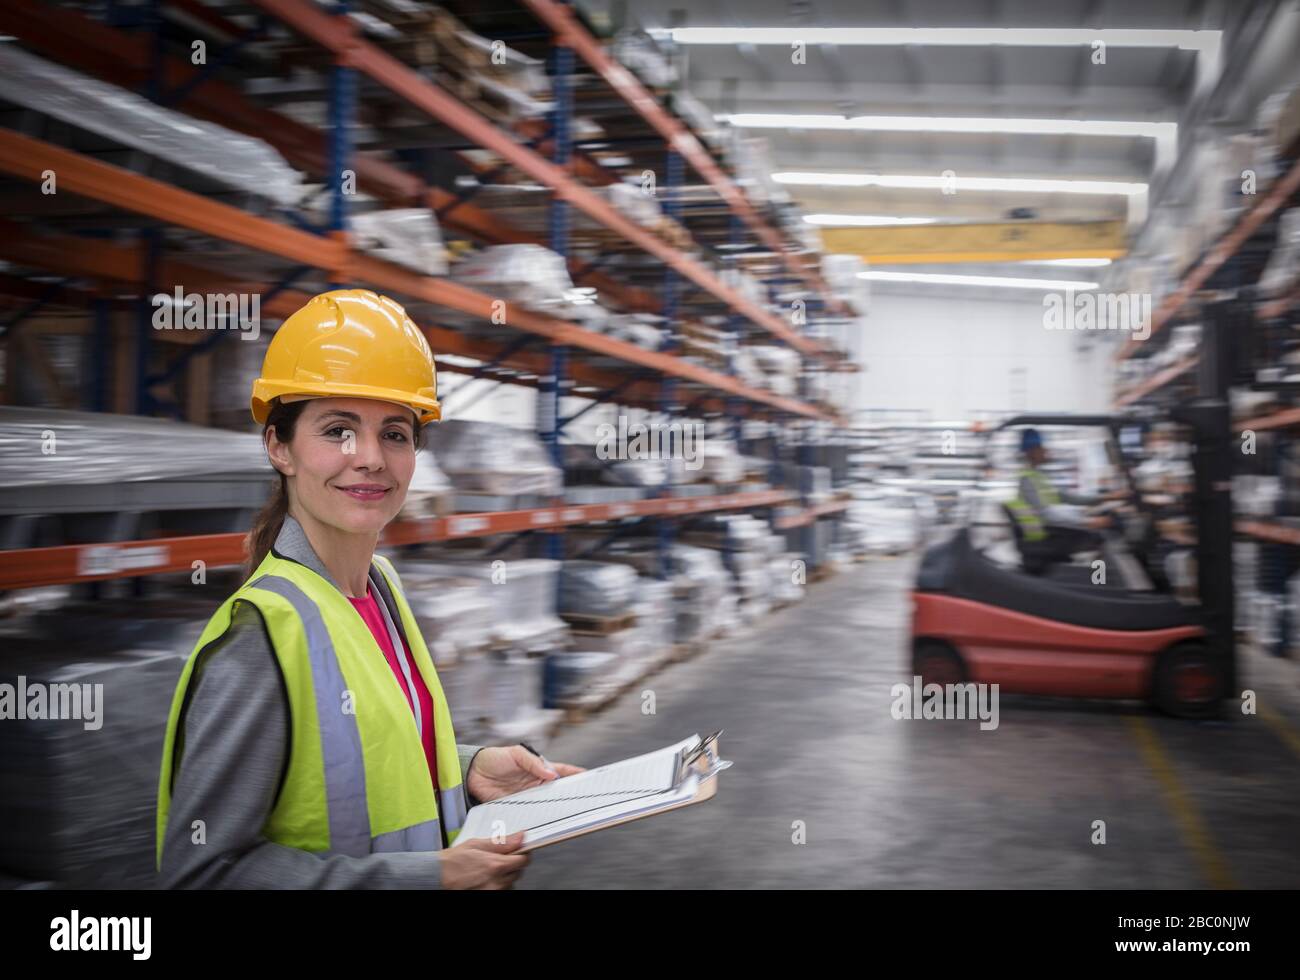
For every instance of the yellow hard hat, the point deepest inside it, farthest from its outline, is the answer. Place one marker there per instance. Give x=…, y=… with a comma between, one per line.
x=349, y=343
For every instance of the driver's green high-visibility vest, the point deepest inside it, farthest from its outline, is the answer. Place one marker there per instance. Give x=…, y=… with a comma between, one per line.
x=358, y=781
x=1030, y=522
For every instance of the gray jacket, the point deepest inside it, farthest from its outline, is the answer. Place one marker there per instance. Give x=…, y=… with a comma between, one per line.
x=231, y=754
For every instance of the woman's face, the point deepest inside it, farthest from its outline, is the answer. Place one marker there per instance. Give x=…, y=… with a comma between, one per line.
x=350, y=461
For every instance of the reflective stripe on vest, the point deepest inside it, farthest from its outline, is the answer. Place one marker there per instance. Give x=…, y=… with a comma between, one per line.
x=357, y=780
x=1030, y=522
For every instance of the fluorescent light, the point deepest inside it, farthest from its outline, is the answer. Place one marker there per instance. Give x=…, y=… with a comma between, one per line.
x=949, y=36
x=864, y=220
x=935, y=182
x=1075, y=263
x=1007, y=282
x=954, y=124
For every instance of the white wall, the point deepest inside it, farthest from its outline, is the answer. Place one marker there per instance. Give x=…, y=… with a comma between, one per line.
x=954, y=353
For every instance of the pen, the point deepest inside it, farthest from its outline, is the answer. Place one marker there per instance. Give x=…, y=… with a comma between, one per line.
x=539, y=755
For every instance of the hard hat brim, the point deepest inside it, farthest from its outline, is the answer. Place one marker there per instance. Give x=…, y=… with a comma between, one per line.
x=264, y=392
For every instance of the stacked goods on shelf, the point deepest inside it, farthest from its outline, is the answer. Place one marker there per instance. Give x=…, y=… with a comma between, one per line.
x=596, y=596
x=501, y=83
x=591, y=479
x=493, y=466
x=779, y=366
x=455, y=612
x=787, y=575
x=531, y=275
x=602, y=664
x=642, y=55
x=245, y=164
x=66, y=823
x=495, y=684
x=698, y=117
x=621, y=626
x=404, y=236
x=704, y=601
x=751, y=159
x=707, y=345
x=645, y=330
x=1279, y=276
x=430, y=493
x=841, y=275
x=84, y=476
x=639, y=203
x=748, y=548
x=234, y=368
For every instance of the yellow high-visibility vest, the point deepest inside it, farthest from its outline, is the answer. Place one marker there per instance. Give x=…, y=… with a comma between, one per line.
x=1030, y=523
x=358, y=781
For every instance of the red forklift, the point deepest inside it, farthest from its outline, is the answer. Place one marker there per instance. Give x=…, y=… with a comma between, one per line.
x=1055, y=630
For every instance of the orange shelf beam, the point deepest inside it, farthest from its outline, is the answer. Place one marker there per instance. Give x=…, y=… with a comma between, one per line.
x=810, y=514
x=25, y=157
x=1224, y=249
x=560, y=19
x=32, y=567
x=1269, y=532
x=1284, y=419
x=340, y=35
x=1157, y=380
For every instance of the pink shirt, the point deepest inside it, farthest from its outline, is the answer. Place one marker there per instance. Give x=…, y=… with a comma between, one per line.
x=374, y=618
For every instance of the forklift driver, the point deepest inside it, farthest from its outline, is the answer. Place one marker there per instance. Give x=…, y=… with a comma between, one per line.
x=1052, y=525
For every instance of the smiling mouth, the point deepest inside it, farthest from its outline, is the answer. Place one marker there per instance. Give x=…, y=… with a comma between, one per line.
x=365, y=493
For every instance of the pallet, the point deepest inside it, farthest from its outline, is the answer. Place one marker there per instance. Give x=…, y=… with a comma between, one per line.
x=821, y=573
x=599, y=625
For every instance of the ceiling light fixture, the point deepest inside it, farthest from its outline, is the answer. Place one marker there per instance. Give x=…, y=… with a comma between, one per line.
x=956, y=183
x=1004, y=282
x=966, y=37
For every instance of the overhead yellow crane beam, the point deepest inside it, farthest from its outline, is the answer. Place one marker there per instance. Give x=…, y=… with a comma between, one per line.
x=1011, y=241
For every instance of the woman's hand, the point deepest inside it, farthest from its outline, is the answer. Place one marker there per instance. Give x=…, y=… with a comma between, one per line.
x=481, y=863
x=498, y=772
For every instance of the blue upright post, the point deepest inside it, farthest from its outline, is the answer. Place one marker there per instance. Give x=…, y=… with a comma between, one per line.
x=341, y=110
x=671, y=188
x=551, y=389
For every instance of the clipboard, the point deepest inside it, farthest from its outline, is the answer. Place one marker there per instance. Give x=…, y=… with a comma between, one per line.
x=671, y=778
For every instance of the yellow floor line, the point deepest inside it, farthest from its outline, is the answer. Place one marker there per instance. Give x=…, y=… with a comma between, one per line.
x=1281, y=728
x=1194, y=832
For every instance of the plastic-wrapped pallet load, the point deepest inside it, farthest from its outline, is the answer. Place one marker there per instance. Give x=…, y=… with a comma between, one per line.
x=596, y=590
x=522, y=594
x=641, y=206
x=571, y=674
x=496, y=693
x=787, y=574
x=87, y=466
x=532, y=275
x=430, y=493
x=244, y=163
x=641, y=54
x=404, y=236
x=79, y=792
x=456, y=616
x=488, y=458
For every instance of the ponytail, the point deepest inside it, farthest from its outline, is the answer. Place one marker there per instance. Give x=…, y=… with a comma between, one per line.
x=270, y=519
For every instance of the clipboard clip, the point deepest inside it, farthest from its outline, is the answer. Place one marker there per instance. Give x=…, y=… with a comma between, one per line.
x=707, y=749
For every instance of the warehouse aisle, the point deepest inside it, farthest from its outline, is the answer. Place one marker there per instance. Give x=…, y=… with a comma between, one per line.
x=805, y=702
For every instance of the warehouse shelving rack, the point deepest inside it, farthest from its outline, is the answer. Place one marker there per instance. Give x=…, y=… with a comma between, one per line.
x=603, y=372
x=1160, y=384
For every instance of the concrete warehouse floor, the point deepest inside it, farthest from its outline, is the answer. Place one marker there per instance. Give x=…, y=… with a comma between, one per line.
x=805, y=702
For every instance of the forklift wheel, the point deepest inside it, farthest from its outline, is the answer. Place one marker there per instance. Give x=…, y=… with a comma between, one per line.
x=937, y=663
x=1189, y=682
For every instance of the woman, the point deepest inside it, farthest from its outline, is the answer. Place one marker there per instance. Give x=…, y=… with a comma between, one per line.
x=309, y=744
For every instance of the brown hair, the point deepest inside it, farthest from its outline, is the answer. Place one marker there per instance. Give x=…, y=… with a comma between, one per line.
x=283, y=417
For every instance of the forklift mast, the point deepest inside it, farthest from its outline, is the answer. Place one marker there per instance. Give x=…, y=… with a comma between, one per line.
x=1208, y=415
